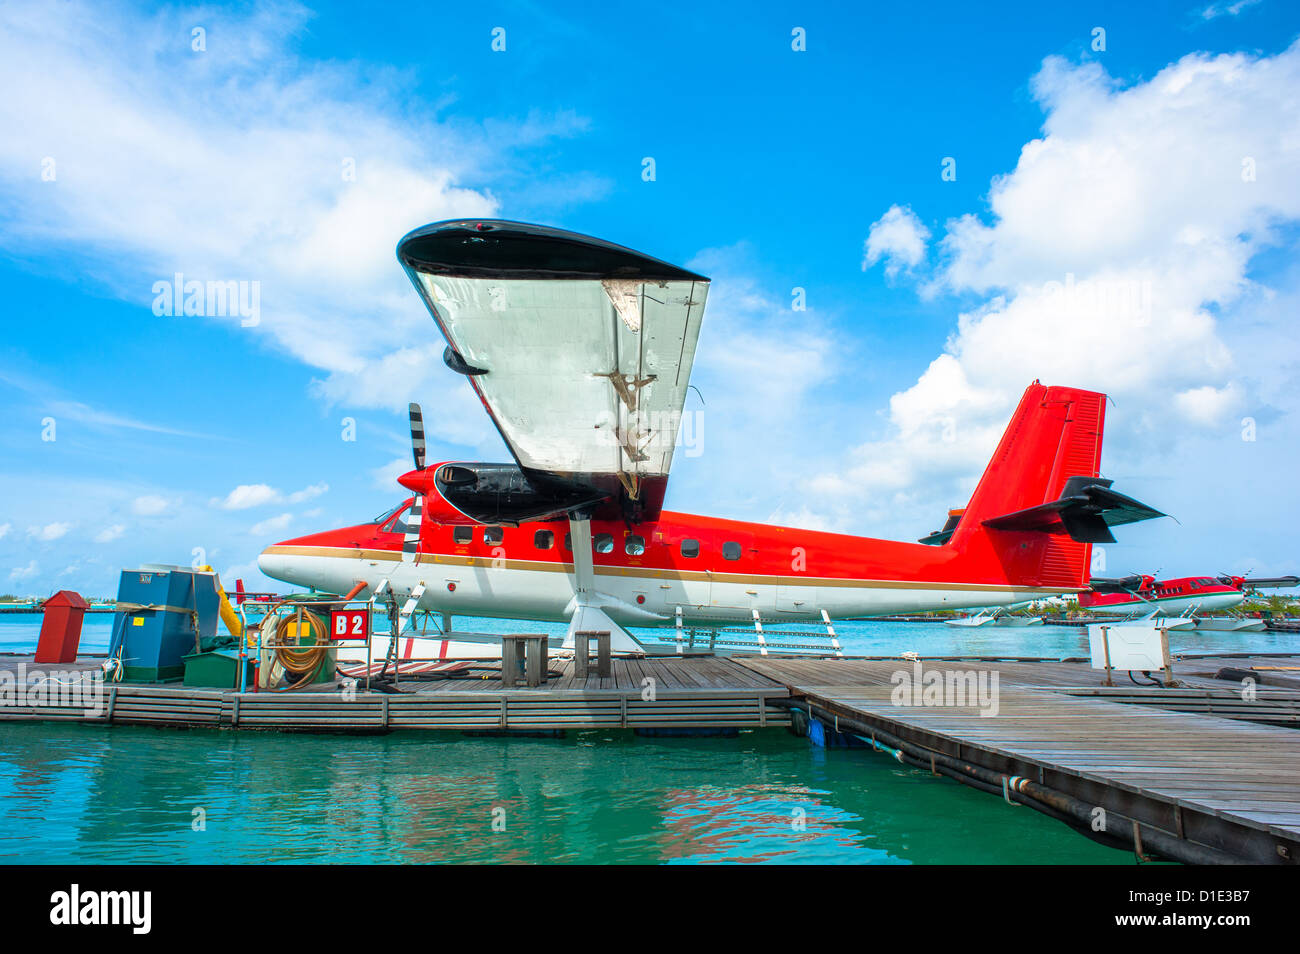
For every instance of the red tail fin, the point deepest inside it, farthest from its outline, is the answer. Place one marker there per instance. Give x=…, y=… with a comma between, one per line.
x=1054, y=435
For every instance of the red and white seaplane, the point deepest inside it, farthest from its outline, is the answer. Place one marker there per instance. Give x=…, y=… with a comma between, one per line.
x=1182, y=601
x=581, y=353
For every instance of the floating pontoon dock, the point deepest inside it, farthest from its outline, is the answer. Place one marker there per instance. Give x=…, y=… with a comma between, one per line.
x=1202, y=773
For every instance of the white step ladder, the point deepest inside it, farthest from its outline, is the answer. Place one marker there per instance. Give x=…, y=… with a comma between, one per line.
x=830, y=631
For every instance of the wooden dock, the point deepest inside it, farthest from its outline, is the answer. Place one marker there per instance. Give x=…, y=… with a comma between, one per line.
x=689, y=692
x=1134, y=769
x=1200, y=773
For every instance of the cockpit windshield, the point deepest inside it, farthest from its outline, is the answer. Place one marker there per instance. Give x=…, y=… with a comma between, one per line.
x=389, y=513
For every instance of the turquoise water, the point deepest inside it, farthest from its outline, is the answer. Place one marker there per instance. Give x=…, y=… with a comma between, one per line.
x=18, y=634
x=78, y=794
x=124, y=794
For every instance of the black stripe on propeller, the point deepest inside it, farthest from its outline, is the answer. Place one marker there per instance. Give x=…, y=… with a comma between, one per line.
x=417, y=436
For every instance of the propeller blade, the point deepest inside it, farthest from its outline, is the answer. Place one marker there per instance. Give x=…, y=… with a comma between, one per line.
x=417, y=436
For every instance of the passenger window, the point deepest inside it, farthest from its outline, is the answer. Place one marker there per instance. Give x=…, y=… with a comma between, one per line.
x=568, y=542
x=690, y=549
x=543, y=539
x=462, y=534
x=634, y=545
x=492, y=535
x=604, y=543
x=731, y=550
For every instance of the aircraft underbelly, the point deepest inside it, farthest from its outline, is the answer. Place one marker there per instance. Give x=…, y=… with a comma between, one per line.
x=515, y=593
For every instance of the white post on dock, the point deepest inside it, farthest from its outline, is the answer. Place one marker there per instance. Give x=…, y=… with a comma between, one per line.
x=758, y=628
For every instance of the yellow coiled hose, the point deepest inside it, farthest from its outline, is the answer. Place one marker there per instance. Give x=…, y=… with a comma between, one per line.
x=301, y=661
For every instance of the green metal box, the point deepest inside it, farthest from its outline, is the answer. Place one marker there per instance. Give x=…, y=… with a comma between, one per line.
x=218, y=669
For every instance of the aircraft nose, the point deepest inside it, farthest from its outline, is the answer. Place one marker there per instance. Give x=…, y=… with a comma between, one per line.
x=272, y=563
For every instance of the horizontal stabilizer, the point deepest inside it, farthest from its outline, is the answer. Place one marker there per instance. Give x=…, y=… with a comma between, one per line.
x=1085, y=511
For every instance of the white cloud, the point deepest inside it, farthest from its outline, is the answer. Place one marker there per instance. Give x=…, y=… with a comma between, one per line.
x=51, y=531
x=307, y=493
x=1207, y=404
x=24, y=572
x=4, y=530
x=1117, y=253
x=1215, y=10
x=150, y=505
x=270, y=524
x=232, y=165
x=899, y=238
x=109, y=534
x=246, y=496
x=803, y=519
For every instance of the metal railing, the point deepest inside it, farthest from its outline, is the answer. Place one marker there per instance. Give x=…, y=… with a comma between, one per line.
x=265, y=645
x=686, y=638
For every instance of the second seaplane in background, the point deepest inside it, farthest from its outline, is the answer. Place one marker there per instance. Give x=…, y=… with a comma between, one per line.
x=581, y=352
x=996, y=616
x=1183, y=602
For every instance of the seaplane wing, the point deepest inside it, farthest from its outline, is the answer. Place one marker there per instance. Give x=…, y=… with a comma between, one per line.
x=1267, y=582
x=580, y=350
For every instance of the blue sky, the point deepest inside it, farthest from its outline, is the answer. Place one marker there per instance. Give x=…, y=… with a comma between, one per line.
x=929, y=302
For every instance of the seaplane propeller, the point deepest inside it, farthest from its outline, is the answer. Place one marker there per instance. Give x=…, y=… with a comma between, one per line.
x=415, y=517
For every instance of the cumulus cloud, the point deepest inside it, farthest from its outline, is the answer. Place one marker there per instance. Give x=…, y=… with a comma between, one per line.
x=51, y=531
x=109, y=534
x=1113, y=257
x=24, y=572
x=270, y=524
x=150, y=505
x=898, y=237
x=1215, y=10
x=4, y=530
x=246, y=496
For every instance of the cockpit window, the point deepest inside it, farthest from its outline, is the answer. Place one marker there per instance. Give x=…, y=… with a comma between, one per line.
x=390, y=513
x=395, y=520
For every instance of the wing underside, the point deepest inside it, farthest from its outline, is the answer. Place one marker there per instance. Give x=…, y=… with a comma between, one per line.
x=580, y=351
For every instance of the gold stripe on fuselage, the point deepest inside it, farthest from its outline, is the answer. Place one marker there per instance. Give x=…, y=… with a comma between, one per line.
x=654, y=573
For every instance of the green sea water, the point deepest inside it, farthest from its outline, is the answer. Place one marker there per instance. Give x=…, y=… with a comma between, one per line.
x=90, y=794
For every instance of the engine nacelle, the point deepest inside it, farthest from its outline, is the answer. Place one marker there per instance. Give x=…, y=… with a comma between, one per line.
x=469, y=493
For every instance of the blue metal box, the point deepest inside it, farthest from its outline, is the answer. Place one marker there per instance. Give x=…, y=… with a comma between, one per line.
x=163, y=611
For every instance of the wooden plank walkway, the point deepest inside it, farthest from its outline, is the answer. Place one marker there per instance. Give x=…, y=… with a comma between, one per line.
x=695, y=692
x=1184, y=781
